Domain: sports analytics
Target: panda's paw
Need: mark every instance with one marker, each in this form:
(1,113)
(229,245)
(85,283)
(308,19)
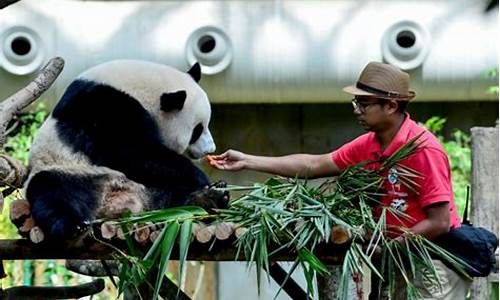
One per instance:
(218,184)
(219,193)
(212,196)
(69,229)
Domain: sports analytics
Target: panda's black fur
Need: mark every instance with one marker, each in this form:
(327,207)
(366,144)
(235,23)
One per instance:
(112,130)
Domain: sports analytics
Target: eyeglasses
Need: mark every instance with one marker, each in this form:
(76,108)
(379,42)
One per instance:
(361,106)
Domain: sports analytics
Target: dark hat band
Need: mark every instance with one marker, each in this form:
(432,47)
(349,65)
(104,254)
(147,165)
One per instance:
(371,89)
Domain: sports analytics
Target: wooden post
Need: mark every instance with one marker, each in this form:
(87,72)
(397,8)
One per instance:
(484,204)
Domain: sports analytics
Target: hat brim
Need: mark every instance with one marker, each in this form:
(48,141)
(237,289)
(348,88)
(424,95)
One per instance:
(353,90)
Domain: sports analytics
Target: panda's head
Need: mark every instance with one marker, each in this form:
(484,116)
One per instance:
(173,98)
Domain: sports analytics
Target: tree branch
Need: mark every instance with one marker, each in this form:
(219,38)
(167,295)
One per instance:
(12,172)
(20,100)
(93,267)
(35,292)
(220,251)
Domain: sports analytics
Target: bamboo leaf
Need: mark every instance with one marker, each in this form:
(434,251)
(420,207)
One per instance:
(164,215)
(366,260)
(167,244)
(184,241)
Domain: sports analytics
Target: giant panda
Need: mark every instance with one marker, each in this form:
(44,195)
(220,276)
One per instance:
(116,141)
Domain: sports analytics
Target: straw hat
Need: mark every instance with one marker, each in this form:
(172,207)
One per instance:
(382,80)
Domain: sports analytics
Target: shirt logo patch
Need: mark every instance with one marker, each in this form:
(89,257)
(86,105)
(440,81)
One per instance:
(393,176)
(399,204)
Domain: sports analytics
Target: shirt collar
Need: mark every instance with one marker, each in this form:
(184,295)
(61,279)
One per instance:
(399,139)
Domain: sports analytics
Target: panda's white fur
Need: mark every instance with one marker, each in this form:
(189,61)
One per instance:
(83,166)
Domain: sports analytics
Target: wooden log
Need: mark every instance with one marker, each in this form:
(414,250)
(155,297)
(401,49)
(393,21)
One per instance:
(35,292)
(19,211)
(108,230)
(20,216)
(12,173)
(205,234)
(120,234)
(195,228)
(224,230)
(239,231)
(25,228)
(153,226)
(141,233)
(24,249)
(36,235)
(340,235)
(93,267)
(154,235)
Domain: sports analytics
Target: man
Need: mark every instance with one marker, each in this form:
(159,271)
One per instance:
(381,95)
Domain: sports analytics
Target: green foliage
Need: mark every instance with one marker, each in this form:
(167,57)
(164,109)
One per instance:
(19,140)
(493,73)
(17,146)
(458,148)
(177,224)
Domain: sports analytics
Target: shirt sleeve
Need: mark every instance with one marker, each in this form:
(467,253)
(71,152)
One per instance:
(435,185)
(348,154)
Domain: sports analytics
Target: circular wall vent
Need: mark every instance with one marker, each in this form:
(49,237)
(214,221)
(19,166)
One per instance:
(21,50)
(406,44)
(210,47)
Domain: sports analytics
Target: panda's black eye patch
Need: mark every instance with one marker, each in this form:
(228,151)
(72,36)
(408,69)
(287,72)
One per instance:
(198,130)
(172,101)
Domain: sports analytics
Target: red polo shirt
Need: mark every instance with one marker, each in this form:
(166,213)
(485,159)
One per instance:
(430,160)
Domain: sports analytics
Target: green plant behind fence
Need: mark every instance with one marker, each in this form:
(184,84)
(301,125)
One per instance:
(458,148)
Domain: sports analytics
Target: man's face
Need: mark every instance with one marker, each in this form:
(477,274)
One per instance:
(371,112)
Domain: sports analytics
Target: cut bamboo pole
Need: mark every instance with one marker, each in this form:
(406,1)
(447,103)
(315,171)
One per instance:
(205,234)
(36,235)
(109,230)
(240,231)
(224,230)
(142,233)
(340,235)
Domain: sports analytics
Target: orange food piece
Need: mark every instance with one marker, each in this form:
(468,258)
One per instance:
(210,159)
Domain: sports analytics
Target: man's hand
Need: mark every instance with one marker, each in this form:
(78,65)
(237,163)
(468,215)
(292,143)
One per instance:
(231,160)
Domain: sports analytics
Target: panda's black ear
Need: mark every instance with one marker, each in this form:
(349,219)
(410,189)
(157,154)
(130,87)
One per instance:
(172,101)
(195,72)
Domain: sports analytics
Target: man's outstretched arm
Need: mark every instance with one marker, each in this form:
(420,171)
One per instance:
(301,165)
